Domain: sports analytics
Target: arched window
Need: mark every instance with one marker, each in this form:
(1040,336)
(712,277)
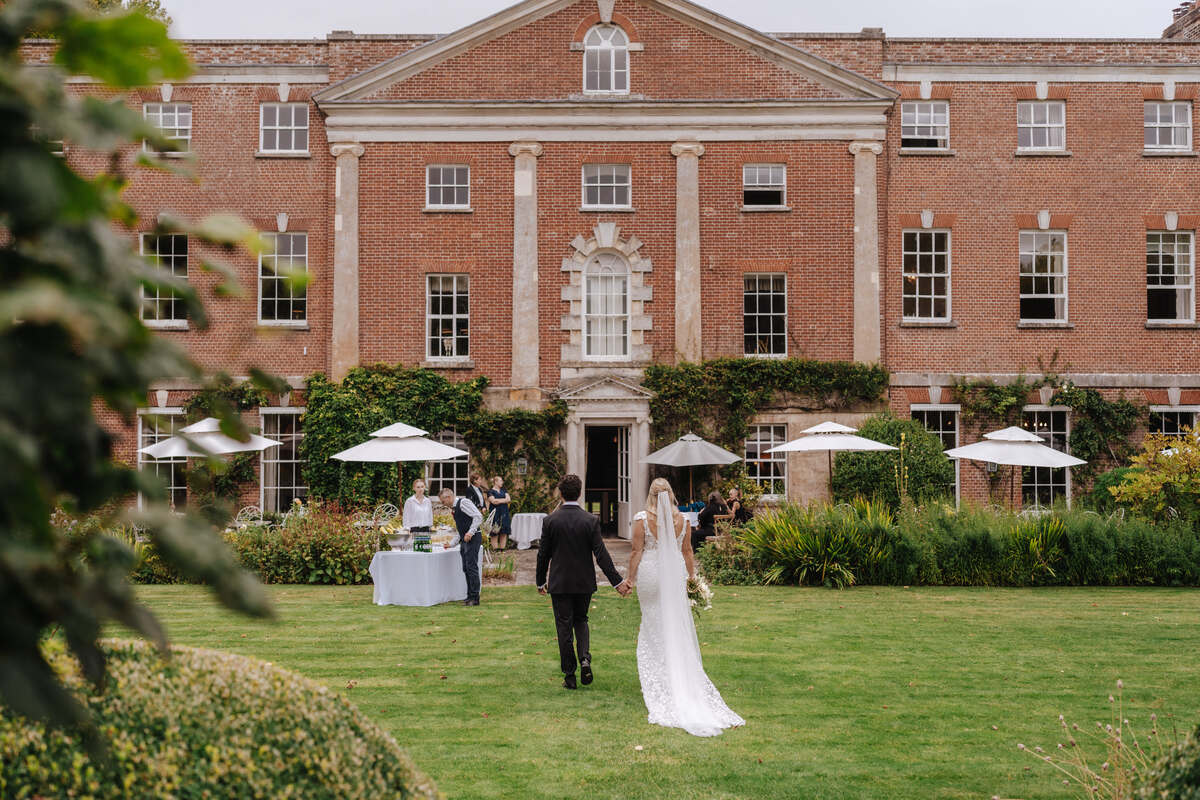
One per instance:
(606,60)
(606,307)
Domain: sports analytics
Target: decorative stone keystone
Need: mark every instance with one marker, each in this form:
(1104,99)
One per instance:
(160,397)
(167,89)
(281,221)
(1174,393)
(1043,219)
(926,219)
(1171,218)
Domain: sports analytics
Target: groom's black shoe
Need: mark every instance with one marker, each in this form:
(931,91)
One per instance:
(569,681)
(585,672)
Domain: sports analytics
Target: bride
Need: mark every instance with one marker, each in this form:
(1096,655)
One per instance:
(677,692)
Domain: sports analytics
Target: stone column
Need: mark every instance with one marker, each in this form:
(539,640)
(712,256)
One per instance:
(687,250)
(344,351)
(867,345)
(526,345)
(641,483)
(574,447)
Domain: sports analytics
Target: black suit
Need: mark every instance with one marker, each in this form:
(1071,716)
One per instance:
(570,540)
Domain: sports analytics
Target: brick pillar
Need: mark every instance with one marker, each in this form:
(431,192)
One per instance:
(526,343)
(867,345)
(344,347)
(687,250)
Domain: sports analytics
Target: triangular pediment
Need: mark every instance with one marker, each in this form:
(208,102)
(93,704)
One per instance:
(764,53)
(605,388)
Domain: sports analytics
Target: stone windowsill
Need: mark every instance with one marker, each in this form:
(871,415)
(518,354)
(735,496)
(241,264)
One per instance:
(166,324)
(606,97)
(271,154)
(1169,153)
(606,364)
(926,151)
(448,363)
(447,210)
(607,209)
(765,209)
(1166,326)
(1043,154)
(1044,325)
(282,325)
(928,323)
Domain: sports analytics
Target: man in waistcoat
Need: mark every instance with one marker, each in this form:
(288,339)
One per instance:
(467,518)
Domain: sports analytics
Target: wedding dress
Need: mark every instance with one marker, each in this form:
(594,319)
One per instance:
(677,692)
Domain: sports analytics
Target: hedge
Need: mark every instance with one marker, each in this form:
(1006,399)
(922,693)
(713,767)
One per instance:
(205,724)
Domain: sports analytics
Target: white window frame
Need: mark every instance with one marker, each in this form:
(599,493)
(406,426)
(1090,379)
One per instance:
(606,44)
(453,317)
(617,316)
(758,276)
(777,437)
(956,409)
(434,470)
(1189,287)
(441,184)
(176,322)
(752,175)
(154,113)
(1065,471)
(263,127)
(917,276)
(1157,125)
(143,459)
(596,181)
(1193,410)
(290,322)
(1066,271)
(276,411)
(1032,125)
(912,116)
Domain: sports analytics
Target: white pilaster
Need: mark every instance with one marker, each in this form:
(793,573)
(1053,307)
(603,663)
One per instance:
(687,250)
(344,350)
(867,344)
(574,448)
(526,343)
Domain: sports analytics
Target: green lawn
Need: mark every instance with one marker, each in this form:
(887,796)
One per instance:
(867,693)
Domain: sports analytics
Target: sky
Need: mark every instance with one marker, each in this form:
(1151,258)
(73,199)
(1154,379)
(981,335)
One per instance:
(280,19)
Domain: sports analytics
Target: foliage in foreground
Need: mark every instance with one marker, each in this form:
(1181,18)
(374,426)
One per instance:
(1176,776)
(72,343)
(866,543)
(239,726)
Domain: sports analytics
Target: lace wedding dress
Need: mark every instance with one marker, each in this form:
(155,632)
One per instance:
(677,692)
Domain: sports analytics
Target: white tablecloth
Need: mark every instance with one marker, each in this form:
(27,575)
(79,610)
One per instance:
(693,518)
(419,579)
(526,528)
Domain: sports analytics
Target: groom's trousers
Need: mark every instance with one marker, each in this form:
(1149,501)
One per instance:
(571,617)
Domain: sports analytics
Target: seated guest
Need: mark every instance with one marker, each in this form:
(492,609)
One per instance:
(418,509)
(500,500)
(713,510)
(737,507)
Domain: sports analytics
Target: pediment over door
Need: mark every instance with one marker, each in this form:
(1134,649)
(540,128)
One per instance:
(605,390)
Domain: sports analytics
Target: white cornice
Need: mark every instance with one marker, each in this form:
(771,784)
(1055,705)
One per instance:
(1055,73)
(294,74)
(1113,380)
(639,122)
(423,57)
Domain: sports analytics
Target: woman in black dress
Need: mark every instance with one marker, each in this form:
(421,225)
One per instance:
(737,507)
(713,510)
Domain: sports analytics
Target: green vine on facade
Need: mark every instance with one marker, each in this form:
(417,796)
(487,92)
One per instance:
(717,399)
(340,415)
(987,404)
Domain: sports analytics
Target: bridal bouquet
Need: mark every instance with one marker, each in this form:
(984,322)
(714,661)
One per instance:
(699,594)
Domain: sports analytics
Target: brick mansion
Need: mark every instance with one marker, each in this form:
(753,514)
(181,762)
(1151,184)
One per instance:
(568,191)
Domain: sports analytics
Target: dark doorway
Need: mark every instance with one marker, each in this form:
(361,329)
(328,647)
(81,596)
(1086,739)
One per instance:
(600,480)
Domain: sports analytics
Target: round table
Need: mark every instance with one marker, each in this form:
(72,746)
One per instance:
(526,528)
(406,578)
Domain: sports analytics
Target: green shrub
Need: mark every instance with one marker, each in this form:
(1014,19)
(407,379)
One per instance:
(874,474)
(205,724)
(323,546)
(1177,775)
(1101,499)
(730,561)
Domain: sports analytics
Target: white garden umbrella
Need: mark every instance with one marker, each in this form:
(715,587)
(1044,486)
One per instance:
(830,436)
(689,451)
(397,443)
(1014,447)
(204,439)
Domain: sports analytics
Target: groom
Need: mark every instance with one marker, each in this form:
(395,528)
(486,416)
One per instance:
(570,539)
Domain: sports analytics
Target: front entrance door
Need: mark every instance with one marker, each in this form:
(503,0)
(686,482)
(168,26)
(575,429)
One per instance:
(606,480)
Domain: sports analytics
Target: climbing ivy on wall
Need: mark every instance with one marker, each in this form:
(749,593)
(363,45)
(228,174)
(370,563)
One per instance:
(717,399)
(340,415)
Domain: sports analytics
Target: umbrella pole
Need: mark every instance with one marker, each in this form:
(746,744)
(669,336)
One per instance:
(829,457)
(691,487)
(400,480)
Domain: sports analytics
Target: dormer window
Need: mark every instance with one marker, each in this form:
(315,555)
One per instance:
(606,61)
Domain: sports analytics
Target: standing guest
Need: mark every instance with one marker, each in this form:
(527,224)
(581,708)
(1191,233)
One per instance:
(737,507)
(477,492)
(418,509)
(500,500)
(467,520)
(713,510)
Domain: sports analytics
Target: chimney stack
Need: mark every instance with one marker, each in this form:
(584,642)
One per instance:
(1187,22)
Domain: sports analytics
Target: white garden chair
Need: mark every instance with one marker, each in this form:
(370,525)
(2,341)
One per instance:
(250,515)
(385,513)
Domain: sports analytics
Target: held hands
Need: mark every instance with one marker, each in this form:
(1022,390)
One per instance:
(624,588)
(542,589)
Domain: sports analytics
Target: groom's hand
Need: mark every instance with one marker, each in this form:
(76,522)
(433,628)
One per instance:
(542,589)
